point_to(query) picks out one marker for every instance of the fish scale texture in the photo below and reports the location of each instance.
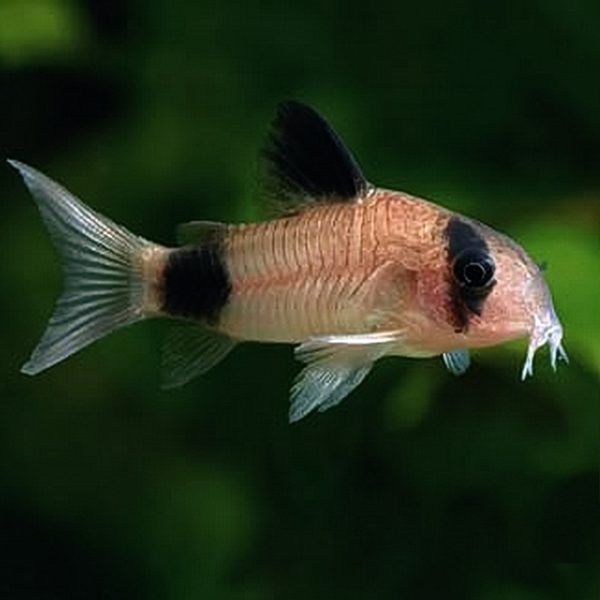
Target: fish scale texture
(302, 276)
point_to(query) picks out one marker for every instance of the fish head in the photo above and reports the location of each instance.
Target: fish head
(498, 293)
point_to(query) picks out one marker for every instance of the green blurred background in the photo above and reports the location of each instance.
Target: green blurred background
(420, 485)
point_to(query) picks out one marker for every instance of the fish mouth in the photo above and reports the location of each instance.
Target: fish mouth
(545, 331)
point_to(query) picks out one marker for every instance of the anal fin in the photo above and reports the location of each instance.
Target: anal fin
(191, 350)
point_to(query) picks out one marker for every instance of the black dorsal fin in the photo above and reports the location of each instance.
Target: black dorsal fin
(306, 161)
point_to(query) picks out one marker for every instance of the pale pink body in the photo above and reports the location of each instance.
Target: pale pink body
(357, 273)
(378, 264)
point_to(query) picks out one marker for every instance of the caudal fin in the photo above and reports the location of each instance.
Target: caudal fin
(102, 261)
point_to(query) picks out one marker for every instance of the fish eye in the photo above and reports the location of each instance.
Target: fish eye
(474, 269)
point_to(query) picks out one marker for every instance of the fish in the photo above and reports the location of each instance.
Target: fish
(348, 272)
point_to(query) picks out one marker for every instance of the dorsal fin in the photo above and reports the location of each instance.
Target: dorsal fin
(306, 161)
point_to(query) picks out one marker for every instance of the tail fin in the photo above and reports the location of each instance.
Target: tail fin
(104, 285)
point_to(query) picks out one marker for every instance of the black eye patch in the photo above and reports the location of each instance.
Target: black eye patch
(472, 271)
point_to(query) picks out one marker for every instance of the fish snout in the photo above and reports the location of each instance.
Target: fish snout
(546, 329)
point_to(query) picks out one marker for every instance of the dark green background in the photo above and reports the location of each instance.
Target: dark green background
(420, 485)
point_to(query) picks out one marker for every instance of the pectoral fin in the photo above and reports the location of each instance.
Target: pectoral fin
(457, 361)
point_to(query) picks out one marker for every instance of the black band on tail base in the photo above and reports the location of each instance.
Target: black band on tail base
(196, 282)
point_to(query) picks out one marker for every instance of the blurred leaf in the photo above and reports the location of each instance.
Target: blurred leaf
(35, 30)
